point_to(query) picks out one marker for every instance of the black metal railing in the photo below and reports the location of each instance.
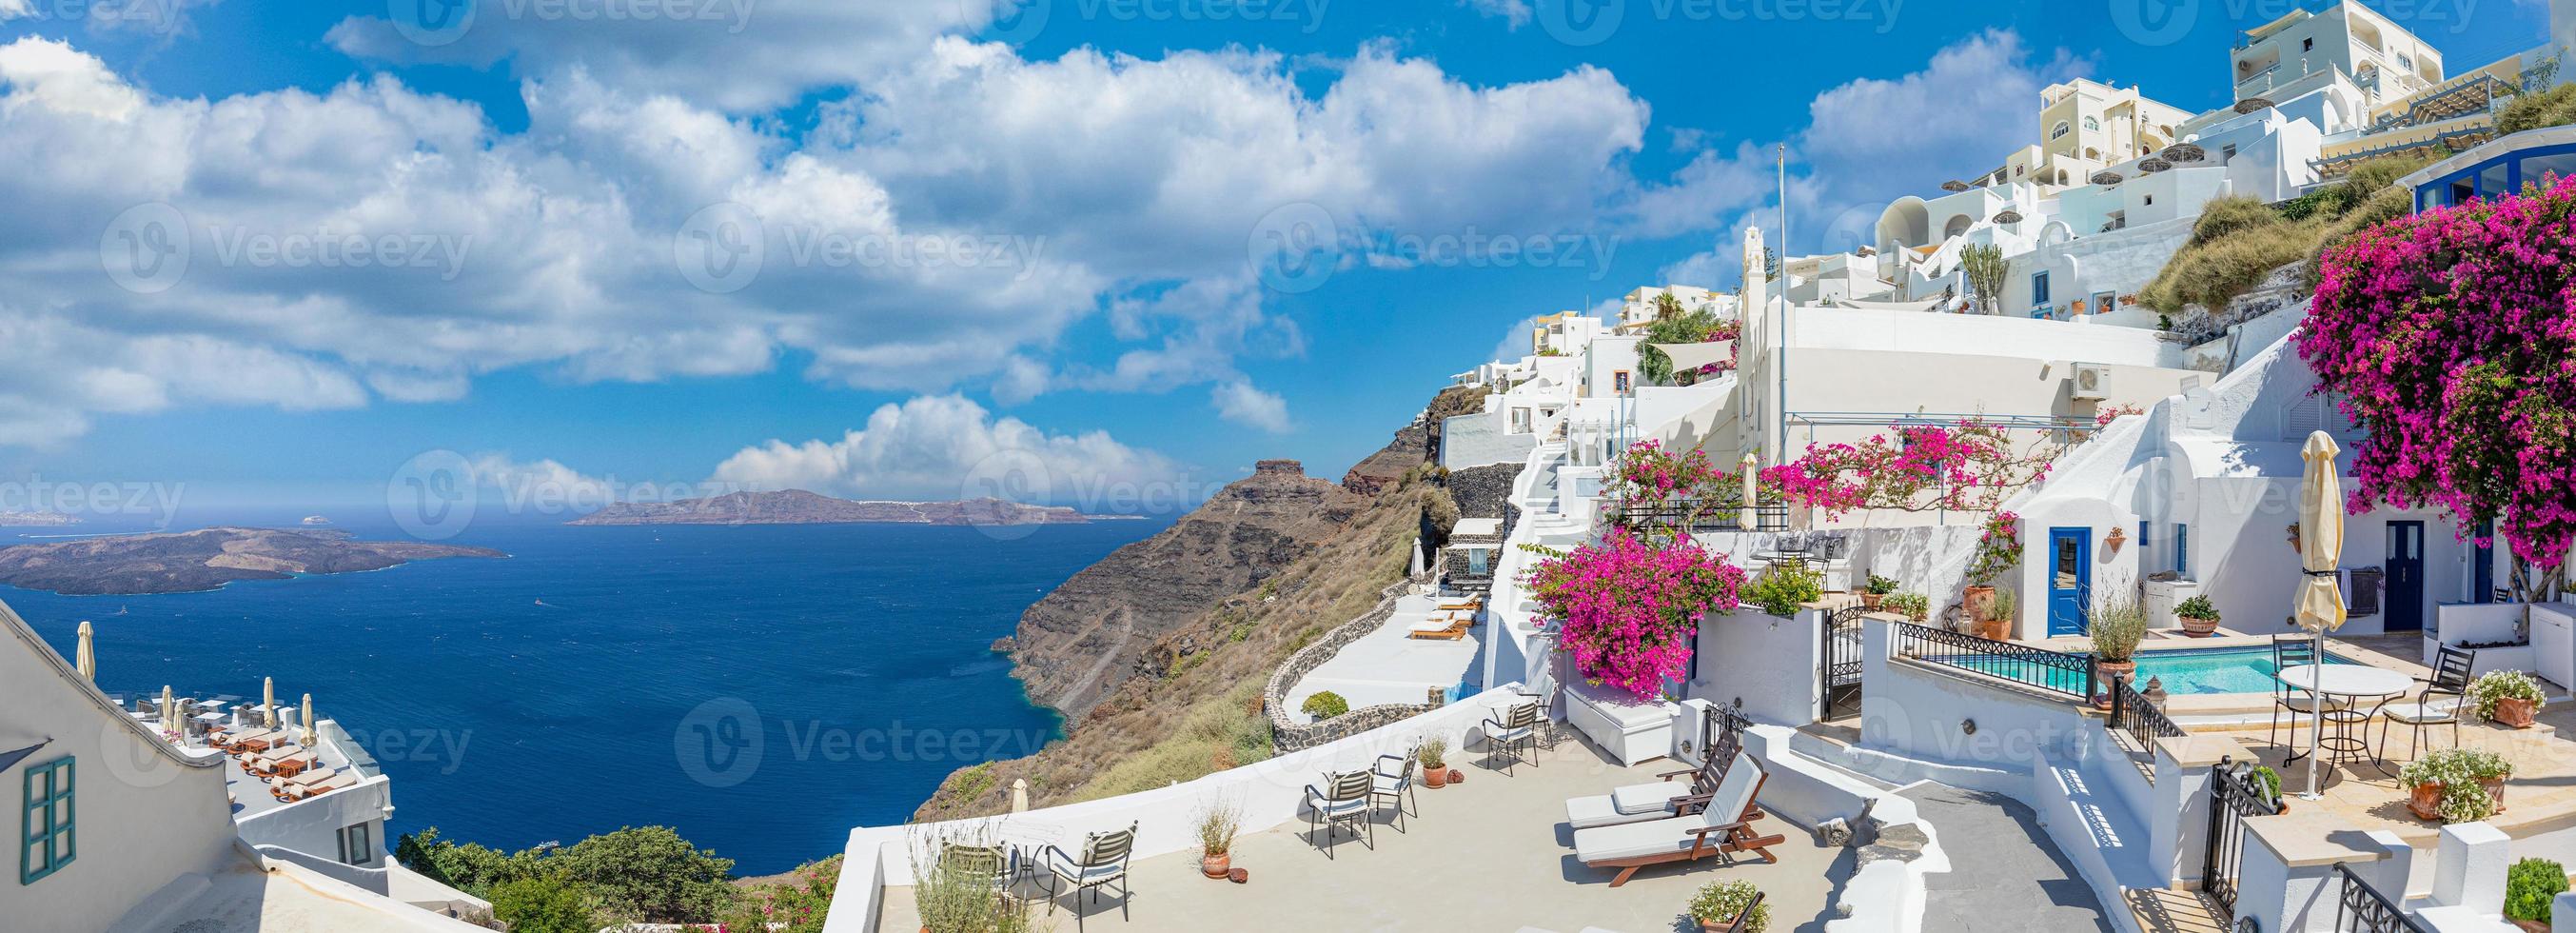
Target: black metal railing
(2362, 909)
(2132, 712)
(2038, 668)
(1723, 514)
(1839, 677)
(2236, 791)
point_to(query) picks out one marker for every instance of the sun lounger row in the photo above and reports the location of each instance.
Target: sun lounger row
(1716, 824)
(1444, 627)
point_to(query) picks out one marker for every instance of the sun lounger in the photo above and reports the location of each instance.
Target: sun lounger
(338, 781)
(310, 776)
(242, 741)
(1637, 803)
(1445, 628)
(1469, 604)
(1718, 829)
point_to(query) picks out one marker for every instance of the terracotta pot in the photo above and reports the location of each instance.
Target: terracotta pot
(2425, 801)
(1980, 601)
(1434, 777)
(2199, 628)
(1872, 601)
(1215, 866)
(1457, 777)
(2514, 713)
(1238, 876)
(1995, 629)
(2495, 792)
(2533, 926)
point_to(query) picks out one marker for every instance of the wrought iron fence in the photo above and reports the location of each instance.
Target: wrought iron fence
(2362, 909)
(2131, 711)
(1724, 514)
(2236, 791)
(2039, 668)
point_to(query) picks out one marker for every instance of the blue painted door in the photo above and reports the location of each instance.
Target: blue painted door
(2070, 578)
(2405, 578)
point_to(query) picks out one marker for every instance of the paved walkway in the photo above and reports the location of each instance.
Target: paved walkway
(2005, 874)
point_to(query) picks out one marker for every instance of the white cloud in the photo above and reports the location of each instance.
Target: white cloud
(947, 447)
(1515, 13)
(1243, 404)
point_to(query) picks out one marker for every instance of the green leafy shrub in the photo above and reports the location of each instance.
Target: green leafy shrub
(2224, 217)
(2003, 608)
(2553, 107)
(1326, 705)
(2269, 780)
(2212, 274)
(543, 904)
(1721, 901)
(2493, 686)
(2530, 886)
(649, 874)
(1880, 586)
(797, 905)
(2197, 607)
(1913, 606)
(1782, 588)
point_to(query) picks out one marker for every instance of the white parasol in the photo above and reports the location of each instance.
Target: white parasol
(2319, 608)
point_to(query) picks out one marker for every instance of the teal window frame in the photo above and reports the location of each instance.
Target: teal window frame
(2182, 549)
(45, 838)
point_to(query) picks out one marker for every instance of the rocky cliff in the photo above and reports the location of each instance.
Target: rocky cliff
(1089, 635)
(1414, 444)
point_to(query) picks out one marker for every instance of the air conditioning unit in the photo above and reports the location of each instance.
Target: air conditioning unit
(2092, 382)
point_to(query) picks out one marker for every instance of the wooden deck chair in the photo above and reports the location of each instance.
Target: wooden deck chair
(1637, 803)
(1718, 829)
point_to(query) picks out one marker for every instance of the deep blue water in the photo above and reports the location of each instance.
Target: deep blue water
(607, 677)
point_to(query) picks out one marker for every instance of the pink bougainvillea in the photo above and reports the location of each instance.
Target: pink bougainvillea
(1650, 483)
(2450, 336)
(1969, 466)
(1631, 608)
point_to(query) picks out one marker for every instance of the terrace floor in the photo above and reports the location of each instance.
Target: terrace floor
(1390, 666)
(2357, 798)
(1491, 854)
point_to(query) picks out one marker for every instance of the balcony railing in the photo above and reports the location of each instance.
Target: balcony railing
(2362, 909)
(2056, 672)
(1702, 515)
(2132, 713)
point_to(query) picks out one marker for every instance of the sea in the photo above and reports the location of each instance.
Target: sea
(761, 689)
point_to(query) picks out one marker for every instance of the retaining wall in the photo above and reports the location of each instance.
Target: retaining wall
(1287, 736)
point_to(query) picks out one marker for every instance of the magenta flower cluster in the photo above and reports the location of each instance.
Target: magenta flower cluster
(1970, 466)
(1631, 608)
(2450, 336)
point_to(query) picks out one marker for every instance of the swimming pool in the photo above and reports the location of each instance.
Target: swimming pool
(2212, 670)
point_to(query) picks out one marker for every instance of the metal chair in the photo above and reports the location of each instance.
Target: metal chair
(2451, 679)
(1103, 862)
(1394, 788)
(1346, 797)
(2290, 651)
(1516, 726)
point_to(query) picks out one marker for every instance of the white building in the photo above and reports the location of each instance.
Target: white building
(1640, 308)
(2303, 52)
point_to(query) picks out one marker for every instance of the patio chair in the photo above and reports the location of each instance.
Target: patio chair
(985, 864)
(1637, 803)
(2290, 651)
(2450, 679)
(1345, 797)
(1516, 726)
(1103, 862)
(1717, 830)
(1393, 788)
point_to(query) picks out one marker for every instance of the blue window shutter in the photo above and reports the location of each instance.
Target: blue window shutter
(2182, 549)
(45, 840)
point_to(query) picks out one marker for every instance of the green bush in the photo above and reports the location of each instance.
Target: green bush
(2494, 686)
(1720, 901)
(1326, 705)
(1913, 606)
(543, 904)
(2197, 607)
(2529, 888)
(1881, 586)
(2224, 217)
(1781, 589)
(2210, 274)
(649, 874)
(2553, 107)
(797, 905)
(2374, 176)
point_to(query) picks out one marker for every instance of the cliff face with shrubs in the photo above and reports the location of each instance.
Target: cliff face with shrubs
(1159, 652)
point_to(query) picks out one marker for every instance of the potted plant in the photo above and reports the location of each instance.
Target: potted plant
(2270, 781)
(1782, 589)
(2490, 771)
(2506, 697)
(2530, 886)
(2118, 625)
(1998, 621)
(1728, 907)
(1913, 606)
(1998, 550)
(2447, 785)
(1435, 761)
(2199, 616)
(1873, 596)
(1218, 823)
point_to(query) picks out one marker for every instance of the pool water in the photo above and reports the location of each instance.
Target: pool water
(2212, 670)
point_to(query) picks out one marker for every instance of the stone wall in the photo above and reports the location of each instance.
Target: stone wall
(1485, 491)
(1287, 736)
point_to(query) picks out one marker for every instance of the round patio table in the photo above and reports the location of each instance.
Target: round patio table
(2348, 682)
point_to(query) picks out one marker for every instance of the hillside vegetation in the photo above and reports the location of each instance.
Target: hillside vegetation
(2240, 241)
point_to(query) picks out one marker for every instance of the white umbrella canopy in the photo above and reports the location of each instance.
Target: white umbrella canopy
(169, 708)
(87, 660)
(1691, 356)
(1746, 520)
(2319, 608)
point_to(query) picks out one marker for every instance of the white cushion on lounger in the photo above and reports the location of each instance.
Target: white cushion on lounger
(1434, 624)
(1657, 797)
(1656, 837)
(1600, 810)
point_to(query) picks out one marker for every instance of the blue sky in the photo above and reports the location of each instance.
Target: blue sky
(545, 170)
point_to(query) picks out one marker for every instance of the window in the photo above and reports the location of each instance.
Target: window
(2151, 201)
(357, 845)
(45, 821)
(1619, 381)
(2039, 288)
(1479, 563)
(2182, 549)
(2548, 169)
(1520, 421)
(2092, 125)
(2060, 129)
(2020, 170)
(2227, 152)
(2308, 44)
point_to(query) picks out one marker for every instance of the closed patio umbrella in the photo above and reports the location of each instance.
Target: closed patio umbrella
(87, 659)
(268, 701)
(2319, 608)
(169, 709)
(308, 720)
(1751, 469)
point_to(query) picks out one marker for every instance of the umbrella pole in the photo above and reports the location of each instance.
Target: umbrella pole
(2316, 706)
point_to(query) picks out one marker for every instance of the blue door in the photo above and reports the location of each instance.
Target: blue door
(2405, 577)
(2482, 578)
(2070, 579)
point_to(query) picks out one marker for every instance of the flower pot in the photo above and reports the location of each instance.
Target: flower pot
(1872, 601)
(1457, 777)
(2532, 926)
(2495, 792)
(1434, 776)
(2513, 712)
(2425, 801)
(1994, 629)
(1980, 602)
(2199, 628)
(1215, 866)
(1238, 876)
